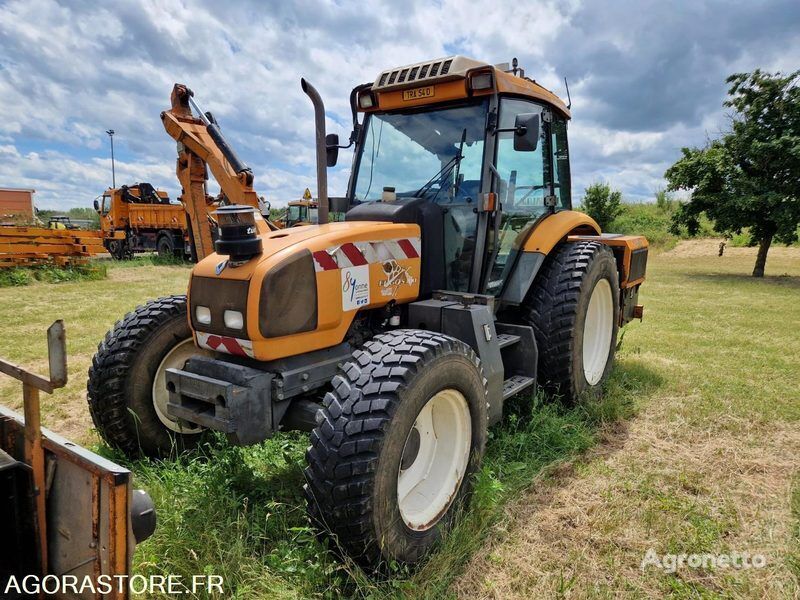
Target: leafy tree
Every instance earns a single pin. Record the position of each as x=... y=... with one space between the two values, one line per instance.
x=749 y=178
x=602 y=204
x=664 y=201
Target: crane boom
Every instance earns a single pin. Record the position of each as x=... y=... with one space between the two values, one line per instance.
x=201 y=147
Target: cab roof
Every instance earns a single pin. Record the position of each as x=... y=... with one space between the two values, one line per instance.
x=452 y=74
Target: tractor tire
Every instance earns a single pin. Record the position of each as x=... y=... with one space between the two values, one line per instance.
x=126 y=388
x=573 y=307
x=396 y=445
x=165 y=245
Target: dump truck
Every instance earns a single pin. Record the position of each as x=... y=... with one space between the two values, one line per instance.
x=304 y=212
x=139 y=218
x=70 y=518
x=460 y=277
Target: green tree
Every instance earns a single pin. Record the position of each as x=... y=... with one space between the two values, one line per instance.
x=664 y=201
x=602 y=204
x=750 y=177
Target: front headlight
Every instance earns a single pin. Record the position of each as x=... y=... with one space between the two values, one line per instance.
x=233 y=319
x=288 y=300
x=203 y=315
x=218 y=305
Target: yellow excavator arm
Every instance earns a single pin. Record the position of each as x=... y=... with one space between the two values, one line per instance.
x=201 y=147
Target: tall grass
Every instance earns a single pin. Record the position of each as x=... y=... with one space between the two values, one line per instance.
x=654 y=221
x=19 y=276
x=240 y=512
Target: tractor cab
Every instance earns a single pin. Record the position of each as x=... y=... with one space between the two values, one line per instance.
x=301 y=212
x=486 y=146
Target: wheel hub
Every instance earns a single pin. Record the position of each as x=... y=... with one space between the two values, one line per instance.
x=411 y=450
x=175 y=359
x=597 y=331
x=434 y=459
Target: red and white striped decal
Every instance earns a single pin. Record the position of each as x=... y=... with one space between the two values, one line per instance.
x=223 y=343
x=355 y=254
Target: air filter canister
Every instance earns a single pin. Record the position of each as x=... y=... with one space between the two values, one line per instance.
x=238 y=235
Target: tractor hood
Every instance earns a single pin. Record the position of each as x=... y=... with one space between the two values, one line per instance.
x=328 y=239
x=304 y=289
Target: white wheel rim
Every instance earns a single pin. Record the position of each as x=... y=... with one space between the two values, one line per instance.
x=435 y=459
x=175 y=359
x=597 y=330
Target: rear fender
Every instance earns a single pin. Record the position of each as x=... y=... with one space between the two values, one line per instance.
x=540 y=241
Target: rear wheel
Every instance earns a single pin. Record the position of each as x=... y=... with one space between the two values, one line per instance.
x=165 y=245
x=396 y=444
x=573 y=307
x=127 y=380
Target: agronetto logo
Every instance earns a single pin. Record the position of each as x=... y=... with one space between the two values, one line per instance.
x=671 y=563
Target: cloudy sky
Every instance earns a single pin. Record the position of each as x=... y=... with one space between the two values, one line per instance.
x=646 y=78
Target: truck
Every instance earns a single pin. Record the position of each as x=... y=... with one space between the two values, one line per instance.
x=139 y=218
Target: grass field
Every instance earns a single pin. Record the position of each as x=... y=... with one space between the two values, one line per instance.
x=694 y=449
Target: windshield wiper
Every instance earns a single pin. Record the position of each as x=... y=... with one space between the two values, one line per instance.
x=445 y=170
x=458 y=164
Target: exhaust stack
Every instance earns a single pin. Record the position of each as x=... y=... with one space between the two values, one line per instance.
x=322 y=165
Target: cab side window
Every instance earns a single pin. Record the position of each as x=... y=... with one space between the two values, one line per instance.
x=561 y=175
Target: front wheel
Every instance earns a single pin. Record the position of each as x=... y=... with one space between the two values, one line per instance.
x=127 y=391
x=396 y=444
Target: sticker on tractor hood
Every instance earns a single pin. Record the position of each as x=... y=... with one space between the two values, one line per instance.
x=223 y=343
x=394 y=275
x=355 y=287
x=356 y=254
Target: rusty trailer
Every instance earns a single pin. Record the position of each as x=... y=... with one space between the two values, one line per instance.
x=64 y=510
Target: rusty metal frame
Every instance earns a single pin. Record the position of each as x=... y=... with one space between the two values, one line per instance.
x=44 y=451
x=32 y=384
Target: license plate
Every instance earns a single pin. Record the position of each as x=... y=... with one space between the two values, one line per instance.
x=417 y=93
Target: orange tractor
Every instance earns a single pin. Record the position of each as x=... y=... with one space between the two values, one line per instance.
x=459 y=278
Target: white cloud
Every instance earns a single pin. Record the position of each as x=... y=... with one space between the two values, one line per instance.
x=69 y=71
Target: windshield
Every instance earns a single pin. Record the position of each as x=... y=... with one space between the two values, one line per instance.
x=436 y=154
x=295 y=213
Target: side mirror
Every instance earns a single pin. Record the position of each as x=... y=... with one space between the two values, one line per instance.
x=97 y=206
x=338 y=204
x=526 y=132
x=332 y=149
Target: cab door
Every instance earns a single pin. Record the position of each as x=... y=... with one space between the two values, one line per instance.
x=522 y=184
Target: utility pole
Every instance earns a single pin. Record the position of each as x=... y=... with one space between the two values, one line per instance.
x=110 y=133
